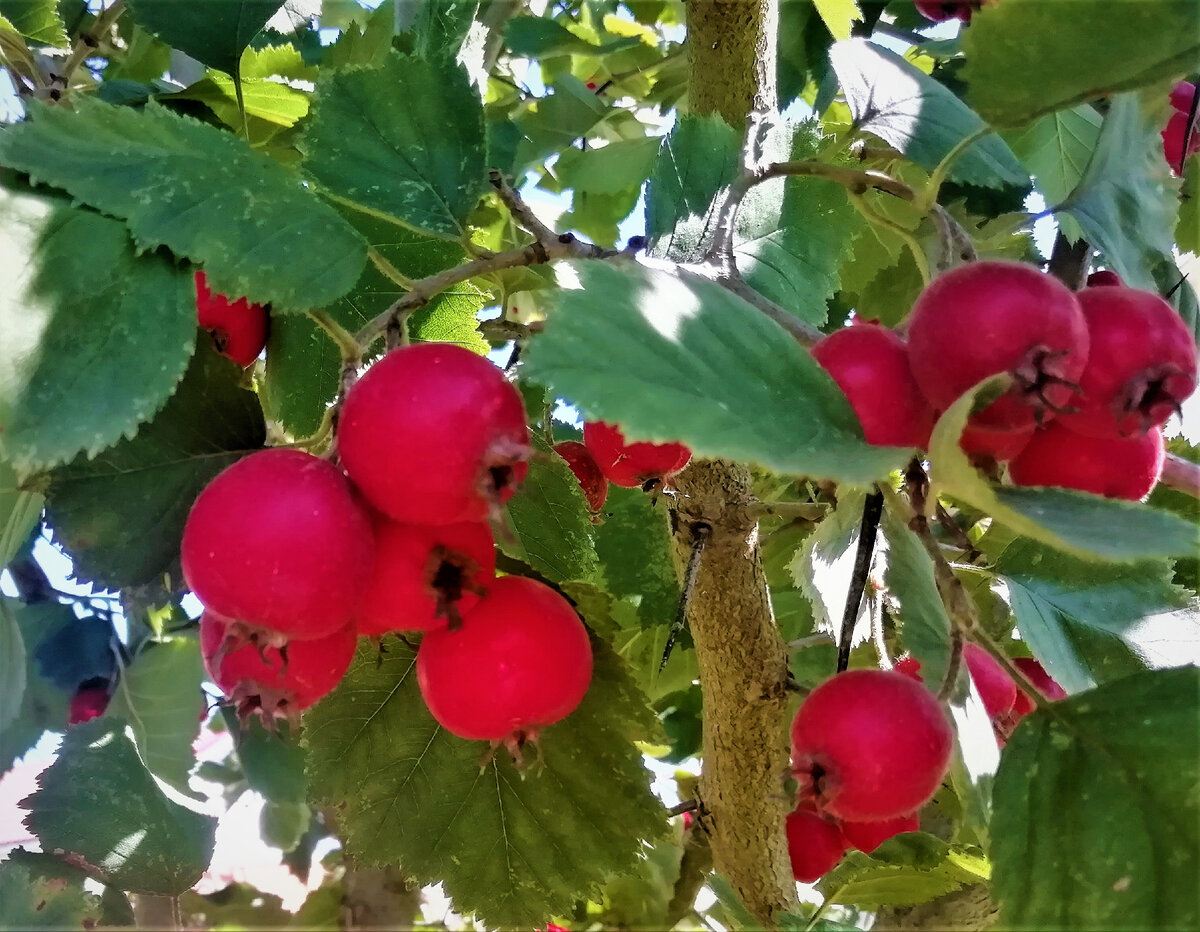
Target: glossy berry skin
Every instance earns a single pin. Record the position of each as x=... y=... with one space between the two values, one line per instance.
x=870 y=745
x=910 y=667
x=239 y=328
x=996 y=688
x=1114 y=467
x=1182 y=95
x=631 y=465
x=591 y=479
x=1044 y=682
x=1175 y=137
x=815 y=844
x=870 y=365
x=1000 y=446
x=433 y=434
x=939 y=11
x=521 y=660
x=1141 y=366
x=89 y=702
x=1103 y=277
x=867 y=836
x=279 y=541
x=422 y=573
x=989 y=317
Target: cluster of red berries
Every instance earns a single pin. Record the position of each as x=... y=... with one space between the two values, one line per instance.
x=1180 y=142
x=294 y=557
x=606 y=456
x=941 y=10
x=1095 y=375
x=88 y=702
x=238 y=328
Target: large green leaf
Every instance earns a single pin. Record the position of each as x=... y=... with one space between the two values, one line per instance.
x=20 y=510
x=920 y=117
x=99 y=802
x=114 y=908
x=214 y=32
x=555 y=121
x=95 y=336
x=1097 y=818
x=513 y=848
x=910 y=581
x=200 y=192
x=30 y=902
x=634 y=546
x=37 y=20
x=724 y=379
x=121 y=514
x=1029 y=57
x=911 y=868
x=12 y=665
x=43 y=705
x=403 y=140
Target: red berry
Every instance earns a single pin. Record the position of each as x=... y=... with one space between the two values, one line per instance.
x=521 y=660
x=1044 y=682
x=239 y=328
x=989 y=317
x=433 y=434
x=981 y=443
x=941 y=10
x=910 y=667
x=815 y=844
x=269 y=680
x=870 y=745
x=1141 y=366
x=1117 y=467
x=1182 y=95
x=423 y=574
x=279 y=541
x=591 y=479
x=1175 y=136
x=632 y=464
x=867 y=836
x=996 y=688
x=89 y=702
x=1103 y=277
x=869 y=363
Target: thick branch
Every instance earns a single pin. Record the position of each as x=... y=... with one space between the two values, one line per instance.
x=86 y=45
x=1181 y=475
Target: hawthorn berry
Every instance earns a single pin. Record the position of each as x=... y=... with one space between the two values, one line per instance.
x=632 y=464
x=279 y=541
x=996 y=688
x=989 y=317
x=939 y=11
x=1115 y=467
x=1000 y=446
x=870 y=745
x=910 y=667
x=591 y=479
x=1103 y=277
x=870 y=365
x=1178 y=144
x=239 y=328
x=867 y=836
x=434 y=434
x=521 y=661
x=87 y=703
x=1141 y=366
x=815 y=844
x=424 y=576
x=1182 y=95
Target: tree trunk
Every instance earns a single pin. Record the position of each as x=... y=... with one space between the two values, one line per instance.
x=378 y=898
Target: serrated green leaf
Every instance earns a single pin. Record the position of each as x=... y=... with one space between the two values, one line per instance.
x=839 y=16
x=19 y=513
x=539 y=37
x=1057 y=148
x=272 y=763
x=43 y=705
x=1187 y=568
x=639 y=899
x=403 y=141
x=214 y=32
x=555 y=121
x=910 y=868
x=29 y=902
x=283 y=61
x=824 y=564
x=269 y=105
x=610 y=169
x=120 y=516
x=37 y=20
x=235 y=906
x=12 y=665
x=113 y=905
x=634 y=546
x=919 y=116
x=1028 y=57
x=1097 y=809
x=511 y=848
x=98 y=801
x=95 y=337
x=200 y=192
x=725 y=379
x=910 y=581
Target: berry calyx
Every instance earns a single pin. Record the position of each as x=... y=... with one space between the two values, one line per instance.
x=870 y=365
x=433 y=434
x=1102 y=278
x=591 y=479
x=425 y=576
x=521 y=661
x=239 y=328
x=867 y=836
x=815 y=844
x=632 y=464
x=279 y=541
x=983 y=445
x=870 y=745
x=87 y=703
x=996 y=688
x=990 y=317
x=1115 y=467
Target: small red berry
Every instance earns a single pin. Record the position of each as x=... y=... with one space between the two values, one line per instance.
x=996 y=688
x=1000 y=446
x=815 y=844
x=433 y=434
x=591 y=479
x=239 y=328
x=1117 y=467
x=1175 y=137
x=867 y=836
x=941 y=10
x=1044 y=682
x=870 y=365
x=632 y=464
x=1103 y=277
x=89 y=702
x=1182 y=95
x=910 y=667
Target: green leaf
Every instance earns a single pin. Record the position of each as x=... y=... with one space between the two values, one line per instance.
x=20 y=511
x=1187 y=568
x=910 y=581
x=1056 y=150
x=538 y=37
x=269 y=105
x=95 y=337
x=214 y=32
x=634 y=546
x=29 y=902
x=120 y=515
x=403 y=141
x=236 y=906
x=1098 y=809
x=98 y=802
x=113 y=905
x=1187 y=231
x=1028 y=57
x=724 y=378
x=839 y=16
x=272 y=763
x=37 y=20
x=910 y=868
x=611 y=169
x=43 y=705
x=919 y=116
x=512 y=848
x=554 y=122
x=198 y=191
x=824 y=564
x=12 y=665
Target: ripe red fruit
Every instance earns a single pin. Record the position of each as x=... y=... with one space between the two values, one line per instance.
x=870 y=745
x=1175 y=137
x=996 y=688
x=981 y=444
x=424 y=576
x=1103 y=277
x=870 y=365
x=1182 y=95
x=271 y=681
x=1141 y=366
x=989 y=317
x=521 y=660
x=89 y=702
x=867 y=836
x=591 y=479
x=1038 y=676
x=910 y=667
x=1117 y=467
x=632 y=464
x=279 y=541
x=433 y=434
x=815 y=844
x=941 y=10
x=239 y=328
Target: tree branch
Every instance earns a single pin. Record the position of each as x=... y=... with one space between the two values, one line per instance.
x=1069 y=261
x=867 y=532
x=85 y=47
x=1181 y=475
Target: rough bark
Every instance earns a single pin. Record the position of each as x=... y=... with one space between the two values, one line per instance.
x=378 y=898
x=731 y=57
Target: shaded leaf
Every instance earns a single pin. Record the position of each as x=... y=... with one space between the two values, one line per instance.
x=12 y=664
x=30 y=902
x=634 y=546
x=20 y=511
x=37 y=20
x=910 y=581
x=213 y=32
x=910 y=868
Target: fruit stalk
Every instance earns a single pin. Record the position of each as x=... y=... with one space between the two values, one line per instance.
x=867 y=532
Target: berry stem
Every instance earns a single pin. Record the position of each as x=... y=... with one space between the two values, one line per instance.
x=934 y=186
x=387 y=269
x=868 y=530
x=342 y=337
x=85 y=46
x=953 y=665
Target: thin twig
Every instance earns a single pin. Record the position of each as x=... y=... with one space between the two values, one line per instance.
x=1181 y=475
x=878 y=614
x=946 y=520
x=809 y=640
x=868 y=530
x=86 y=45
x=688 y=805
x=700 y=534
